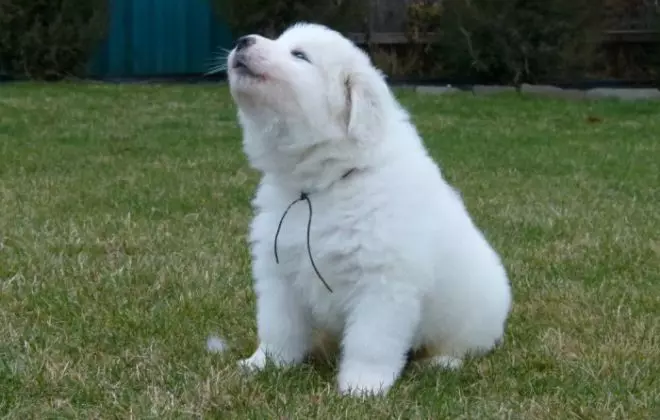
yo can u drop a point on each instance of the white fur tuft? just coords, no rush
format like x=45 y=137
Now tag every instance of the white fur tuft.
x=216 y=344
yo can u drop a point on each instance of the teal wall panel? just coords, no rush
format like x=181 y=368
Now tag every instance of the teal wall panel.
x=157 y=38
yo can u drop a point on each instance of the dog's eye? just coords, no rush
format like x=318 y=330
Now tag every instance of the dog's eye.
x=299 y=54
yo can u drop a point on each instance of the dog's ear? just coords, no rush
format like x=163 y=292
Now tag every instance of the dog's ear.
x=366 y=96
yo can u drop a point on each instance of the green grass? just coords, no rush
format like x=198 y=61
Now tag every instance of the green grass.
x=123 y=215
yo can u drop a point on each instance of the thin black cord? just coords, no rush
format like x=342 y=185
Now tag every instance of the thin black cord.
x=303 y=197
x=309 y=249
x=279 y=226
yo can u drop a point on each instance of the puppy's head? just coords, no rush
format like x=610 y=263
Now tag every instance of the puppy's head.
x=310 y=77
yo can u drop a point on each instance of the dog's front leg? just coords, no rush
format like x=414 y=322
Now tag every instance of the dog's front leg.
x=379 y=333
x=284 y=325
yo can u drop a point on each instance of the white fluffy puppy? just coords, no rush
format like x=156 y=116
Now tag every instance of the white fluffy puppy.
x=407 y=268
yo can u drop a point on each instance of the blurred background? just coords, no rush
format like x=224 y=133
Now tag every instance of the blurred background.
x=453 y=41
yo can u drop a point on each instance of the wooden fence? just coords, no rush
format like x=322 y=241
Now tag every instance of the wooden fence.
x=635 y=23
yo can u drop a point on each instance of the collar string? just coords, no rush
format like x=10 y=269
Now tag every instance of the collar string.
x=303 y=197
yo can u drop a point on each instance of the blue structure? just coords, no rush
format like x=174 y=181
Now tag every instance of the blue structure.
x=160 y=38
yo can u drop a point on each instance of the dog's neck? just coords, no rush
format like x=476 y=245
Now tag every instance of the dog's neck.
x=298 y=157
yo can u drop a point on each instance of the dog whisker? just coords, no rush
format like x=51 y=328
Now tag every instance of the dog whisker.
x=216 y=70
x=218 y=64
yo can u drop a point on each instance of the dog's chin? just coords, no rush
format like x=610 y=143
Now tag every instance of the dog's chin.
x=242 y=68
x=250 y=93
x=244 y=78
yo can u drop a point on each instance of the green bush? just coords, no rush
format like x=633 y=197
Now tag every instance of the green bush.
x=49 y=39
x=270 y=17
x=517 y=41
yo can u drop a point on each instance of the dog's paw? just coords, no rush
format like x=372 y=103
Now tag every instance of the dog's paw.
x=365 y=382
x=261 y=358
x=255 y=362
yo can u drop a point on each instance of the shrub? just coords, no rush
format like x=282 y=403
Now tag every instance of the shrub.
x=631 y=14
x=516 y=41
x=270 y=17
x=49 y=39
x=414 y=59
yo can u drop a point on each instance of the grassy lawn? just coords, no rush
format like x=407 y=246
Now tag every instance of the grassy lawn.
x=123 y=215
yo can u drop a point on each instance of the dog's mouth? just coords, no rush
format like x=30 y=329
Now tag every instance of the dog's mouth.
x=240 y=67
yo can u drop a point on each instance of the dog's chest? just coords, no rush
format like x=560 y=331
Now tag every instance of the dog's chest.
x=314 y=244
x=325 y=248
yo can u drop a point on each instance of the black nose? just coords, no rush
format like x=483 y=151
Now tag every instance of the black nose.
x=244 y=42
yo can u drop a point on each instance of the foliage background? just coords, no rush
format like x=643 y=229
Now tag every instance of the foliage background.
x=485 y=41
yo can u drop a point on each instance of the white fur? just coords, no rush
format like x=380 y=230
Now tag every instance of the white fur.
x=216 y=344
x=407 y=266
